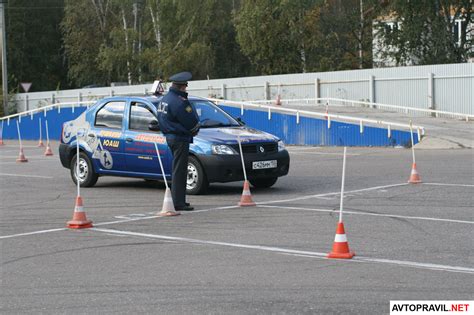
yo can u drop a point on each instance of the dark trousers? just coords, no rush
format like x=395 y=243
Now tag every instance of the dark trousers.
x=180 y=152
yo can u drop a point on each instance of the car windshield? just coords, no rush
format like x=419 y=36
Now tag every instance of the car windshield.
x=211 y=116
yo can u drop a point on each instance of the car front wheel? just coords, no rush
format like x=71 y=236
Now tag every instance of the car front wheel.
x=87 y=176
x=196 y=183
x=263 y=182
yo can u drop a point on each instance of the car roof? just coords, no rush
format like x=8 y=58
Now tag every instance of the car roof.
x=150 y=98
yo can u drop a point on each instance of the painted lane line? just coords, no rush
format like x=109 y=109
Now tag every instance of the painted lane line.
x=331 y=194
x=205 y=210
x=33 y=176
x=454 y=185
x=124 y=220
x=370 y=214
x=30 y=156
x=323 y=153
x=33 y=161
x=32 y=233
x=412 y=264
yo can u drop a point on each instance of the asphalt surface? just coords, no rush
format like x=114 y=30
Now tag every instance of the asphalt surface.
x=412 y=242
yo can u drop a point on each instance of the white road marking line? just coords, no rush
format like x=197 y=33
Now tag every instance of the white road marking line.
x=306 y=148
x=125 y=220
x=331 y=194
x=33 y=176
x=32 y=233
x=217 y=208
x=455 y=185
x=428 y=266
x=31 y=161
x=323 y=153
x=370 y=214
x=29 y=156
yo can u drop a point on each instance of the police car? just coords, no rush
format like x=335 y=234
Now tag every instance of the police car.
x=117 y=137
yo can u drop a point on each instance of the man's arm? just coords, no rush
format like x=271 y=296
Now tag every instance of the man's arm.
x=188 y=117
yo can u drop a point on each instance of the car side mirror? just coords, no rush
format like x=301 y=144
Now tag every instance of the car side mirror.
x=153 y=125
x=240 y=121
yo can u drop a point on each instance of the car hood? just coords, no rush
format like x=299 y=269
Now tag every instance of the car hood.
x=228 y=135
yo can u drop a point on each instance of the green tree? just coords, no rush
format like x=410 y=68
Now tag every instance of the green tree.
x=200 y=36
x=34 y=44
x=339 y=34
x=271 y=34
x=428 y=32
x=137 y=40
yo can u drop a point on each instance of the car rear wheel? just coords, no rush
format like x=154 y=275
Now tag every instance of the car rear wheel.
x=87 y=176
x=196 y=183
x=263 y=182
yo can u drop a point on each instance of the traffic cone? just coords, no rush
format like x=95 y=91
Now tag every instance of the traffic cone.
x=79 y=220
x=414 y=176
x=21 y=157
x=340 y=248
x=48 y=151
x=1 y=141
x=278 y=100
x=168 y=206
x=246 y=199
x=40 y=144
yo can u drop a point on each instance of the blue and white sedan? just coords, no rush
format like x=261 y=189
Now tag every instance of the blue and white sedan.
x=117 y=137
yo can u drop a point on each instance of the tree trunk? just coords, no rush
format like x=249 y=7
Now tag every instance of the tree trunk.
x=156 y=26
x=129 y=74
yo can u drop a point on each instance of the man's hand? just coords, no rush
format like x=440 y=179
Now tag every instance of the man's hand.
x=195 y=130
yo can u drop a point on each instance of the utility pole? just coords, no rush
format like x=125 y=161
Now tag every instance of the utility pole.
x=3 y=43
x=361 y=33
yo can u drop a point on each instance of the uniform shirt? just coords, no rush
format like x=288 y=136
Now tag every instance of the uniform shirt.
x=177 y=117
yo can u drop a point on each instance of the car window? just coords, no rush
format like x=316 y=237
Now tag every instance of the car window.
x=212 y=116
x=140 y=116
x=110 y=115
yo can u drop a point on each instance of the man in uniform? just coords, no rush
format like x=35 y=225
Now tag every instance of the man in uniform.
x=179 y=122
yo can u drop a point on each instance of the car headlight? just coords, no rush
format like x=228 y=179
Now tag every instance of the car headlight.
x=222 y=149
x=281 y=146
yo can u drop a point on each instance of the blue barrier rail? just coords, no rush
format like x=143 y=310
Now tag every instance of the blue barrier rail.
x=313 y=131
x=302 y=131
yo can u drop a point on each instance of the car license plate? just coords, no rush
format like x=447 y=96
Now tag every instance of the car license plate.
x=264 y=164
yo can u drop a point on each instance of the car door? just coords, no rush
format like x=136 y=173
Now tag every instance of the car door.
x=139 y=150
x=106 y=137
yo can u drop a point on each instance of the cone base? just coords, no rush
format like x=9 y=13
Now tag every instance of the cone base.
x=40 y=145
x=22 y=160
x=76 y=224
x=168 y=214
x=414 y=181
x=348 y=255
x=48 y=153
x=247 y=204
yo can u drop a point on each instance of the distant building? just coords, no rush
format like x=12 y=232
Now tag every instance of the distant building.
x=390 y=23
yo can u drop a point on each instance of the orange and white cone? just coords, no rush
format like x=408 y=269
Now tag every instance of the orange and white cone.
x=246 y=199
x=48 y=151
x=168 y=205
x=1 y=141
x=40 y=144
x=340 y=248
x=79 y=220
x=278 y=100
x=21 y=156
x=414 y=176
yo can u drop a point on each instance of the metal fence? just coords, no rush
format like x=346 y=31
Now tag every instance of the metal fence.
x=441 y=87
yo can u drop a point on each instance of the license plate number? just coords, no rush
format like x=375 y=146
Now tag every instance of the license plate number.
x=264 y=164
